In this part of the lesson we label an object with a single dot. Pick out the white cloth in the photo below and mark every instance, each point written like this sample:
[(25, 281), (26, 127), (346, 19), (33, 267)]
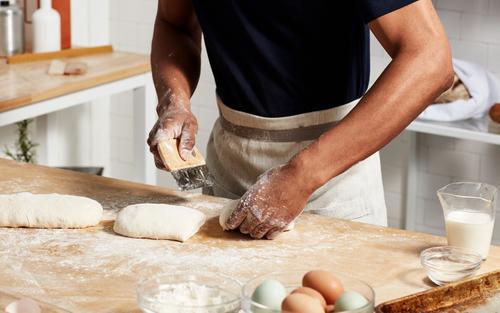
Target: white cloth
[(483, 87), (237, 160)]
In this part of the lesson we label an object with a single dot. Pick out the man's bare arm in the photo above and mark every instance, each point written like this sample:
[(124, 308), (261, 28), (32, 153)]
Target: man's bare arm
[(175, 60), (420, 71)]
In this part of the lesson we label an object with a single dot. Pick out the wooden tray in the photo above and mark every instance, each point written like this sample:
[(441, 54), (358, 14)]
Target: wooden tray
[(477, 294), (67, 53), (6, 299)]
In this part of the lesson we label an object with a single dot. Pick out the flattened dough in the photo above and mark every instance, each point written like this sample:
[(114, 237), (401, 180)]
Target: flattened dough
[(158, 221), (229, 208), (48, 211)]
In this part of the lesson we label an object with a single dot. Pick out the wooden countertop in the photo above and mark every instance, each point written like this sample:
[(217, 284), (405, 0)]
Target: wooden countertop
[(95, 270), (27, 83)]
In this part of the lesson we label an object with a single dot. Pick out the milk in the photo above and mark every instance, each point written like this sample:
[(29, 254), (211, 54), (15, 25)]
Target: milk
[(470, 230)]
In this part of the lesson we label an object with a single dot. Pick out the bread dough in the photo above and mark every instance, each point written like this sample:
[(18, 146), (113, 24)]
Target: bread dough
[(158, 221), (226, 212), (229, 208), (48, 211)]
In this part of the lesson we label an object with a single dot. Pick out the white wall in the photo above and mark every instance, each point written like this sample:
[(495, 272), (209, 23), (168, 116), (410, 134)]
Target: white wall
[(131, 28)]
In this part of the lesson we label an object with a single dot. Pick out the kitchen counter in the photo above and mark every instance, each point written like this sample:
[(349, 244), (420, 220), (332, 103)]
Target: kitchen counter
[(27, 83), (96, 270)]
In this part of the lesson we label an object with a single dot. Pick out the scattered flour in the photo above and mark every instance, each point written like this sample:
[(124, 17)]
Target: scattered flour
[(492, 305), (76, 269)]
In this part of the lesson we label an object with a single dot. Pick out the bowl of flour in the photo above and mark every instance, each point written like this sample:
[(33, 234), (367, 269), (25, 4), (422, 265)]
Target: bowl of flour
[(189, 293)]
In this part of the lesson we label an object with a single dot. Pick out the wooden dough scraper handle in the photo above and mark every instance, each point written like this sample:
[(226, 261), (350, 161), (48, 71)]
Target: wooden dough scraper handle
[(189, 174)]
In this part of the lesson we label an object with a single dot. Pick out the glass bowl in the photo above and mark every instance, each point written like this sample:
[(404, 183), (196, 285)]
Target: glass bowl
[(292, 280), (448, 264), (189, 293)]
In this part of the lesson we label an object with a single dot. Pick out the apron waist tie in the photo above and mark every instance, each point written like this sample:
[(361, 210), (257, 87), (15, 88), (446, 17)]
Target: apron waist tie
[(307, 133)]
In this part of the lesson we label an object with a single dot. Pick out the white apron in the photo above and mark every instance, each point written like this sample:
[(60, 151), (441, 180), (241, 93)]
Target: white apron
[(242, 146)]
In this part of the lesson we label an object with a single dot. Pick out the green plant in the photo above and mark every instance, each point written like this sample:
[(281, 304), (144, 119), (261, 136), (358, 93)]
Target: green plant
[(25, 149)]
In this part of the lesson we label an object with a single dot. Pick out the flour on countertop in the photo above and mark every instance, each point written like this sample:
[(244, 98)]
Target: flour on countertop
[(109, 254), (73, 267)]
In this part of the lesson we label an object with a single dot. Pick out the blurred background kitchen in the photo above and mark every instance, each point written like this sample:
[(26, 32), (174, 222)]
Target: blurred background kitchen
[(415, 165)]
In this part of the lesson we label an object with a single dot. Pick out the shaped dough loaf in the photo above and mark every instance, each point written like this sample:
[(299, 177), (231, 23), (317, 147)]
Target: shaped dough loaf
[(158, 221), (229, 208), (48, 211)]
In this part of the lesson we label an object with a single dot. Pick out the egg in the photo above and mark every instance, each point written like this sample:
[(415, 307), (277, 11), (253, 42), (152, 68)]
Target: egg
[(312, 293), (495, 112), (270, 293), (325, 283), (350, 300), (301, 303)]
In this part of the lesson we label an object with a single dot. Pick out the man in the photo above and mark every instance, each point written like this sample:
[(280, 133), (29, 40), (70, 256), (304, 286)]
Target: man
[(291, 79)]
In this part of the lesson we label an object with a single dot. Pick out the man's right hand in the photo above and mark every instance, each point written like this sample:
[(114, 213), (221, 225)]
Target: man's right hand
[(176, 64), (175, 120)]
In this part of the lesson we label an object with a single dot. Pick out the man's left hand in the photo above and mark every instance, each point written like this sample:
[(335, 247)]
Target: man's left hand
[(272, 203)]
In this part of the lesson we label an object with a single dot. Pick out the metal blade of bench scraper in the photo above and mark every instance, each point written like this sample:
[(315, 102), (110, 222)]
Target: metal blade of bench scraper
[(193, 178)]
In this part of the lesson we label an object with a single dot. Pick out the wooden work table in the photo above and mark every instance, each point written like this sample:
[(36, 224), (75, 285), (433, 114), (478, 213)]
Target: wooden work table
[(95, 270)]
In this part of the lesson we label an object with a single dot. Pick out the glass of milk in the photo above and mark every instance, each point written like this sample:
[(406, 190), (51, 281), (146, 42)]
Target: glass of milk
[(469, 214)]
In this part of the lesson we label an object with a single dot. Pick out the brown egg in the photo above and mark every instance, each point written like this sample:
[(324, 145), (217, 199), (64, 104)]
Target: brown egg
[(325, 283), (312, 293), (495, 112), (301, 303)]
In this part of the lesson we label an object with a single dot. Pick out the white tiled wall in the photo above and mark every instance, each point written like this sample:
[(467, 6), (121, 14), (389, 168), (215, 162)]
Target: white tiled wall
[(474, 30)]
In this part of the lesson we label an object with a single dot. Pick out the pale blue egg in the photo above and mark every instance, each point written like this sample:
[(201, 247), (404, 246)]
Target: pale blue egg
[(270, 293), (350, 300)]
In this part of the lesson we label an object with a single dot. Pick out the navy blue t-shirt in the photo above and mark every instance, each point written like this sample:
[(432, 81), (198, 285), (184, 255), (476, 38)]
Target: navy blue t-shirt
[(277, 58)]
